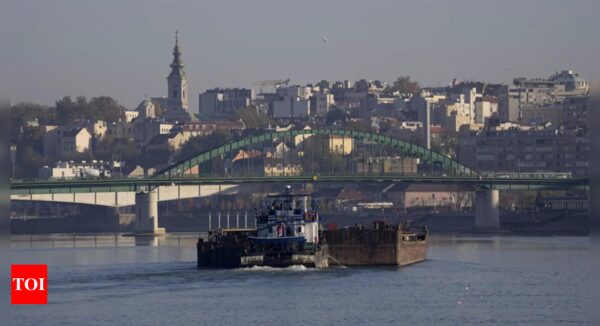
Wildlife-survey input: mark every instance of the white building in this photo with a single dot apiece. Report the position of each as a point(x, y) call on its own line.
point(484, 110)
point(131, 115)
point(321, 103)
point(63, 140)
point(83, 169)
point(97, 129)
point(291, 107)
point(74, 141)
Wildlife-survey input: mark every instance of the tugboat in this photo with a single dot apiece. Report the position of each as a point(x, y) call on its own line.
point(286, 234)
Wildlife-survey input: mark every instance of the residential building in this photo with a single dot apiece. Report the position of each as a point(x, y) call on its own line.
point(279, 150)
point(518, 150)
point(74, 141)
point(387, 165)
point(167, 142)
point(275, 167)
point(291, 107)
point(484, 109)
point(224, 102)
point(540, 92)
point(148, 129)
point(196, 128)
point(321, 103)
point(121, 130)
point(97, 129)
point(65, 140)
point(131, 115)
point(341, 144)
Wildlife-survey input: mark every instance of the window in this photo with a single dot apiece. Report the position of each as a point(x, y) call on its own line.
point(174, 93)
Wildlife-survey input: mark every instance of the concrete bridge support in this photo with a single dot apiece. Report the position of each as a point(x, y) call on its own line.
point(487, 212)
point(146, 213)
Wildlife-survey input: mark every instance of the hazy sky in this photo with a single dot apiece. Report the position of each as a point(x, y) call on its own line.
point(50, 49)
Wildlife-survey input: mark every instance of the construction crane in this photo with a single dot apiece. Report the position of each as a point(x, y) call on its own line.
point(275, 83)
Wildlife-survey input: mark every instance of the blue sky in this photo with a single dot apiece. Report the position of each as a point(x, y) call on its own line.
point(123, 48)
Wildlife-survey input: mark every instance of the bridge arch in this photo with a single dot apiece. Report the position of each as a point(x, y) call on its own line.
point(447, 164)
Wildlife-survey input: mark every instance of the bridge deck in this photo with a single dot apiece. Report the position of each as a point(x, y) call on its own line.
point(132, 185)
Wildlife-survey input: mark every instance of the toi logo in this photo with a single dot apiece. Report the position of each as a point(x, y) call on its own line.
point(29, 284)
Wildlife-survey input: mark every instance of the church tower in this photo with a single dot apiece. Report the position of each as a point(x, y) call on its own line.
point(177, 88)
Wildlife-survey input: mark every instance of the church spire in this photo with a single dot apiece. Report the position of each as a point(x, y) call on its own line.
point(177, 64)
point(177, 88)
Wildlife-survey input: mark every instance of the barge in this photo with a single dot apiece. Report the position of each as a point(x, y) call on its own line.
point(288, 233)
point(383, 244)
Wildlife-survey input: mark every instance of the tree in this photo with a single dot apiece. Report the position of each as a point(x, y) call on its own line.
point(110, 148)
point(358, 125)
point(444, 144)
point(29, 162)
point(252, 118)
point(68, 110)
point(404, 85)
point(335, 115)
point(200, 144)
point(21, 113)
point(98, 108)
point(104, 108)
point(318, 157)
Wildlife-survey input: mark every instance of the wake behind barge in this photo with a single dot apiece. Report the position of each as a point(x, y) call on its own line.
point(288, 233)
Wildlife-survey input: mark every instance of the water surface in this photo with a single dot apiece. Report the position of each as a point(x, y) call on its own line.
point(496, 280)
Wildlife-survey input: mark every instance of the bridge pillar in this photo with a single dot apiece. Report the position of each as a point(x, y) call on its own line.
point(487, 212)
point(146, 213)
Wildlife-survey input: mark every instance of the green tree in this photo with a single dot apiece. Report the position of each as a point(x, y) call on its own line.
point(252, 118)
point(358, 125)
point(110, 148)
point(98, 108)
point(319, 159)
point(444, 144)
point(29, 161)
point(68, 110)
point(104, 108)
point(200, 144)
point(335, 115)
point(21, 113)
point(404, 85)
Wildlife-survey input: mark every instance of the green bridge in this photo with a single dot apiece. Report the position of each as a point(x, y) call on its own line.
point(135, 185)
point(433, 167)
point(308, 156)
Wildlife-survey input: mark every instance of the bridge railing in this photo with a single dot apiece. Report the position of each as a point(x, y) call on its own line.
point(527, 175)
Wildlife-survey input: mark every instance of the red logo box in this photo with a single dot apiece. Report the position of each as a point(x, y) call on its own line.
point(29, 284)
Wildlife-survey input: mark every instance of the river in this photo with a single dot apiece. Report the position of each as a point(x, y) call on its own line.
point(475, 280)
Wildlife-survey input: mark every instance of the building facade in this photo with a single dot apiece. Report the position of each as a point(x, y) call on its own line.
point(224, 102)
point(525, 151)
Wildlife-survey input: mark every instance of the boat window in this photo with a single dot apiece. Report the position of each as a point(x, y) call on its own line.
point(277, 205)
point(287, 205)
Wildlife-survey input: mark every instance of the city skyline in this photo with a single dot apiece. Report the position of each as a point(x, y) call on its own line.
point(50, 59)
